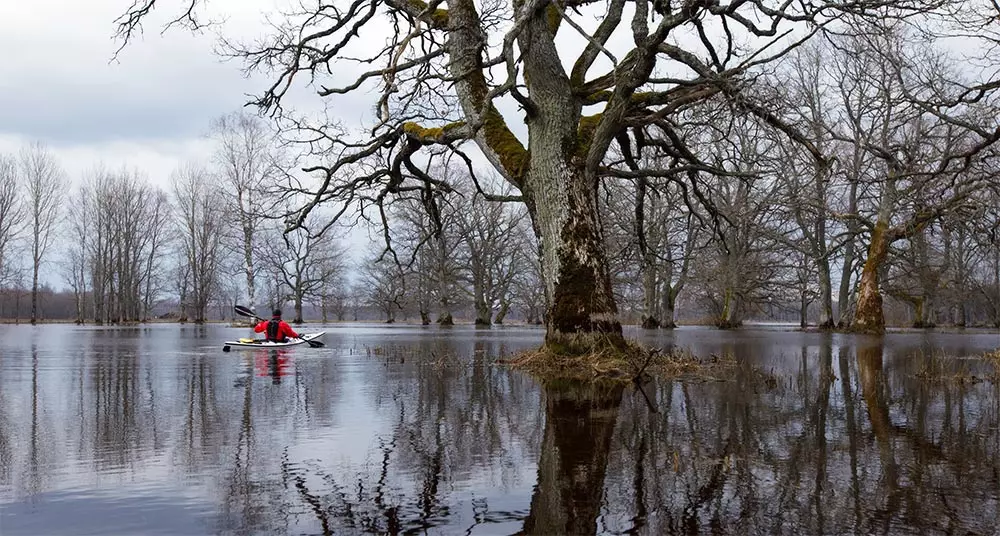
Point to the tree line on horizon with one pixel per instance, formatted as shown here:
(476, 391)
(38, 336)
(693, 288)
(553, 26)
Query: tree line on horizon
(772, 229)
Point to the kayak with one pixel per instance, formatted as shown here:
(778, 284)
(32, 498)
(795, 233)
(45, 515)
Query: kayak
(262, 343)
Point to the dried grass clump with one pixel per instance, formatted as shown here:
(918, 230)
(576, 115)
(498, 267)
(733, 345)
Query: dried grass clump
(626, 363)
(936, 370)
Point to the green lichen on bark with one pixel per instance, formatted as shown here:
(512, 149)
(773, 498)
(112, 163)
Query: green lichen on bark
(430, 134)
(513, 156)
(585, 134)
(437, 18)
(553, 18)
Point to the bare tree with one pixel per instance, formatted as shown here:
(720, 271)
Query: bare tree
(43, 180)
(437, 67)
(11, 214)
(306, 262)
(383, 286)
(920, 158)
(196, 201)
(491, 251)
(246, 159)
(77, 259)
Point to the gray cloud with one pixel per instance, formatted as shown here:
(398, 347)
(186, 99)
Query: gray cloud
(57, 82)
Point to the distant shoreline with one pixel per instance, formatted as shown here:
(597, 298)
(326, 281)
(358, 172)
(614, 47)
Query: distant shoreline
(748, 326)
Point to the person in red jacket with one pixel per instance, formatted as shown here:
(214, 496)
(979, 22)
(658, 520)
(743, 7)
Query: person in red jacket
(277, 330)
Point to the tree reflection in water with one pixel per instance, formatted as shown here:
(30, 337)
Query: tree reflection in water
(845, 439)
(579, 423)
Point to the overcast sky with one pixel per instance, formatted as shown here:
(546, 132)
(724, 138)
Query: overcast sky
(149, 109)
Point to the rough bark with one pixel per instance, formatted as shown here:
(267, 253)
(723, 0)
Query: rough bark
(868, 316)
(669, 304)
(650, 319)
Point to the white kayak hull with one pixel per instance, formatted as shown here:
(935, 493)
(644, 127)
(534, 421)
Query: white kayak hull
(263, 344)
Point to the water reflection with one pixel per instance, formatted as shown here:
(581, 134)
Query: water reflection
(409, 430)
(579, 424)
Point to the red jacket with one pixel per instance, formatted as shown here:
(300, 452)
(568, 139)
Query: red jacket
(284, 330)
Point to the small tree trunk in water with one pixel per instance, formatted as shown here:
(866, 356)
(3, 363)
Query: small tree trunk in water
(868, 316)
(825, 296)
(425, 318)
(34, 294)
(804, 310)
(649, 297)
(668, 297)
(844, 297)
(298, 310)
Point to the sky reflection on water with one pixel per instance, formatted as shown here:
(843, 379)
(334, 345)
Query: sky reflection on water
(154, 430)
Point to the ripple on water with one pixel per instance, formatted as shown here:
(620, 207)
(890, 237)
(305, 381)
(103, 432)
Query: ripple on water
(133, 509)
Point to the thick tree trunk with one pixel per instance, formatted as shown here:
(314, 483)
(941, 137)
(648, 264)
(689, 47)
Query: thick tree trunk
(868, 316)
(502, 312)
(579, 424)
(484, 313)
(668, 304)
(425, 318)
(728, 317)
(582, 309)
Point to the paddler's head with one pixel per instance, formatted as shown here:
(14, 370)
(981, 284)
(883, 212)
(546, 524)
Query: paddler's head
(276, 313)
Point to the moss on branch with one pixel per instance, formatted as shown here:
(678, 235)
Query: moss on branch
(431, 134)
(513, 156)
(437, 18)
(585, 133)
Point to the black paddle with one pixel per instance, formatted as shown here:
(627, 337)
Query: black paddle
(240, 310)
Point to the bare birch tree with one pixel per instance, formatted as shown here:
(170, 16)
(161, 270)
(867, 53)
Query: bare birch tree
(246, 160)
(43, 181)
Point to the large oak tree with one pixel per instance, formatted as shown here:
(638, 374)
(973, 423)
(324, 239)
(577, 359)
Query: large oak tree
(542, 89)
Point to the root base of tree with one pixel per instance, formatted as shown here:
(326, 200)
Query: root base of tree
(627, 362)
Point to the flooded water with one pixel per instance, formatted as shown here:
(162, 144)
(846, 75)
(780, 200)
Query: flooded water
(154, 430)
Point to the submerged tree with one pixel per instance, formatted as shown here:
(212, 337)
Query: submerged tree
(451, 75)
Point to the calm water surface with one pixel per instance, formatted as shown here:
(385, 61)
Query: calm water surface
(154, 430)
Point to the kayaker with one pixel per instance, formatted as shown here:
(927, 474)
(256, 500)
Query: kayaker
(277, 330)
